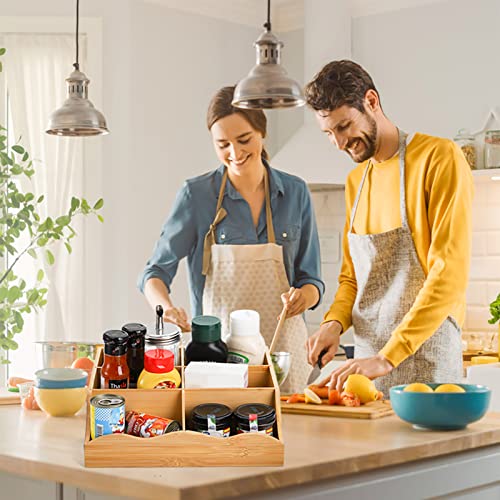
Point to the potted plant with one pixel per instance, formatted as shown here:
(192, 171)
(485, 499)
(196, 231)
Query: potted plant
(495, 316)
(24, 232)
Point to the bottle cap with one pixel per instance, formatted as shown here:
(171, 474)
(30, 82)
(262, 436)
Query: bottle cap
(244, 322)
(205, 329)
(158, 361)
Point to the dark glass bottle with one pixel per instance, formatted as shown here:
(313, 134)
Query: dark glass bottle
(135, 354)
(114, 371)
(206, 344)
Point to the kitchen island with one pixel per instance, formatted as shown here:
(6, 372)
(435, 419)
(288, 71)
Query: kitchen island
(42, 457)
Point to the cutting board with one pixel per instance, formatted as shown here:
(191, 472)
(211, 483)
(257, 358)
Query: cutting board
(9, 398)
(377, 409)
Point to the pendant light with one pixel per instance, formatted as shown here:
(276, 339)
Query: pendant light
(268, 86)
(77, 117)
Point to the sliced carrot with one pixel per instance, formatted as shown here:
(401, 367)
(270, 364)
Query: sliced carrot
(333, 397)
(322, 392)
(284, 398)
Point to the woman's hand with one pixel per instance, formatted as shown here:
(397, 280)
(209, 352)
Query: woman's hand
(177, 316)
(299, 300)
(373, 367)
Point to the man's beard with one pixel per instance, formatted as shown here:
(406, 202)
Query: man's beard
(369, 139)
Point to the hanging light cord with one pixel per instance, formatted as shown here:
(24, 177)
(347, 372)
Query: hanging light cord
(267, 24)
(76, 65)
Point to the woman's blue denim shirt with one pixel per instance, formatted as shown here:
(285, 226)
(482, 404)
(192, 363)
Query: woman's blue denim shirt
(184, 231)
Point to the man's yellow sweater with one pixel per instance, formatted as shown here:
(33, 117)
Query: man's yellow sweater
(439, 191)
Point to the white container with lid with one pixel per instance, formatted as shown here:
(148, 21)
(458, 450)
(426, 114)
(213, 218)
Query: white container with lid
(245, 344)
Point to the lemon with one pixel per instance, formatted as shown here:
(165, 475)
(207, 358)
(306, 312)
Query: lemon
(449, 388)
(418, 387)
(361, 386)
(311, 397)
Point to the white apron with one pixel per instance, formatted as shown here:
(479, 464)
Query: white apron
(254, 277)
(389, 277)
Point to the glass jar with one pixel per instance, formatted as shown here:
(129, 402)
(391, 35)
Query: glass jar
(168, 338)
(467, 144)
(492, 149)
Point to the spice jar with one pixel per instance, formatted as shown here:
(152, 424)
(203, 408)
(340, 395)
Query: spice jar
(255, 417)
(135, 353)
(467, 144)
(492, 149)
(168, 338)
(213, 419)
(114, 371)
(206, 344)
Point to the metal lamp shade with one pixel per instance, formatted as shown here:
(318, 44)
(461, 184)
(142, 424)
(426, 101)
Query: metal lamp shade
(77, 117)
(268, 86)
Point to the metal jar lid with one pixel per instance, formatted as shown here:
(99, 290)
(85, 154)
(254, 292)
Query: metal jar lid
(200, 414)
(171, 335)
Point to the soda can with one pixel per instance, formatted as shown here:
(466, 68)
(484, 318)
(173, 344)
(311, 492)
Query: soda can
(107, 415)
(144, 425)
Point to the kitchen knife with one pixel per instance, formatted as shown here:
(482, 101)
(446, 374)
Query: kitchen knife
(315, 372)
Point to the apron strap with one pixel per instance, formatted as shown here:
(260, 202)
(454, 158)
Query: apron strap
(402, 184)
(271, 238)
(402, 179)
(220, 214)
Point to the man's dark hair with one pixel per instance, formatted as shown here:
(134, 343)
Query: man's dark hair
(339, 83)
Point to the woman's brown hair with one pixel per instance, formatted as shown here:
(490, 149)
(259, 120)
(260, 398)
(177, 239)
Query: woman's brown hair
(220, 106)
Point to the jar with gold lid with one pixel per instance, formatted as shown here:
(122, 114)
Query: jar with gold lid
(466, 141)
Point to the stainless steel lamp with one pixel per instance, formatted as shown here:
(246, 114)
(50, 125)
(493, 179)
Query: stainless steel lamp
(268, 86)
(77, 117)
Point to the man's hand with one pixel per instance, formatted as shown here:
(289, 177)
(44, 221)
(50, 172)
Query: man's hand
(177, 316)
(374, 367)
(327, 338)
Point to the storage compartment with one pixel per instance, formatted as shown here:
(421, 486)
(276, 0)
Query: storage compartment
(186, 448)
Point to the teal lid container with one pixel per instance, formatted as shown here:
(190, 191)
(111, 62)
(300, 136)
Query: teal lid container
(205, 329)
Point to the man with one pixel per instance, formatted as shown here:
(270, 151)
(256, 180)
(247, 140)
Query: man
(406, 241)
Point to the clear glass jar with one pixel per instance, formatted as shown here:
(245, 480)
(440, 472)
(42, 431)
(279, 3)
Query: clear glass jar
(467, 144)
(169, 338)
(492, 149)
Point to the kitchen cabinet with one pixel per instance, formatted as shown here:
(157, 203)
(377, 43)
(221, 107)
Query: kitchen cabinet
(486, 175)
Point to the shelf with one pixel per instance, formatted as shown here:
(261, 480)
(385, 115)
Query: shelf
(486, 174)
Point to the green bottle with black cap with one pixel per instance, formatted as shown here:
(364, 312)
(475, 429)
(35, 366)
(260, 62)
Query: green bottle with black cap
(206, 344)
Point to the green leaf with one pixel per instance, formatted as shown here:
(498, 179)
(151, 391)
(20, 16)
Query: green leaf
(100, 217)
(25, 156)
(68, 247)
(64, 220)
(50, 257)
(75, 203)
(42, 241)
(99, 204)
(1, 67)
(40, 275)
(40, 198)
(18, 149)
(18, 319)
(13, 294)
(2, 51)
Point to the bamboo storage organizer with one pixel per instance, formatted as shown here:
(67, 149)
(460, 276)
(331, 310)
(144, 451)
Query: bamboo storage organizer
(187, 448)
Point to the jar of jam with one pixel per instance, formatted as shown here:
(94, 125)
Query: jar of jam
(135, 354)
(255, 417)
(213, 419)
(114, 371)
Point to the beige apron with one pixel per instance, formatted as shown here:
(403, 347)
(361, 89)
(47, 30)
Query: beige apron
(253, 277)
(389, 277)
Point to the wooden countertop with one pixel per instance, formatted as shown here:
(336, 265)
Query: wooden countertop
(41, 447)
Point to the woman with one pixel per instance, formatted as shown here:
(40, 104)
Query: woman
(248, 232)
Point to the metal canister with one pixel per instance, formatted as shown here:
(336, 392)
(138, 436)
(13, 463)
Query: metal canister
(107, 415)
(144, 425)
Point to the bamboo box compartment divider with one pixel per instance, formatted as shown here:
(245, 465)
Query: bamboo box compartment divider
(187, 448)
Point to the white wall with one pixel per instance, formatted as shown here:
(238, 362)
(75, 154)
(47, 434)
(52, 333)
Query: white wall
(160, 68)
(436, 68)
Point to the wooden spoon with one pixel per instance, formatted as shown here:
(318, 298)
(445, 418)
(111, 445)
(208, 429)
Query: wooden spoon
(277, 332)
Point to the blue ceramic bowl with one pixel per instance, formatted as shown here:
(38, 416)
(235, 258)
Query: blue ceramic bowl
(60, 378)
(441, 410)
